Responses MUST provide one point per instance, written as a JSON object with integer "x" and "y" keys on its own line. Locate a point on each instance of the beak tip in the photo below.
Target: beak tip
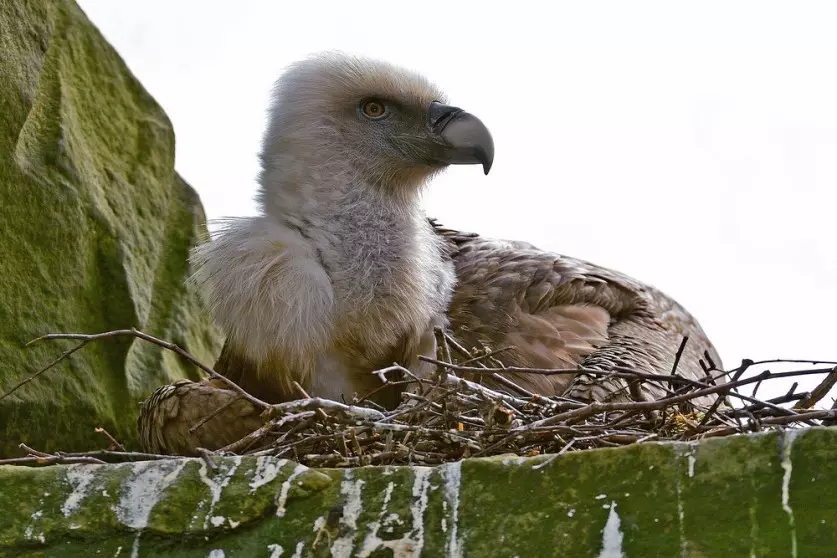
{"x": 465, "y": 139}
{"x": 485, "y": 155}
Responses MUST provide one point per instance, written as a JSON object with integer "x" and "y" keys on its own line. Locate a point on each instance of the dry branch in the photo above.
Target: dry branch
{"x": 448, "y": 417}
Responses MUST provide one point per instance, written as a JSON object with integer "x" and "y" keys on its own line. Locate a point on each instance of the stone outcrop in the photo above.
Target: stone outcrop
{"x": 96, "y": 228}
{"x": 757, "y": 495}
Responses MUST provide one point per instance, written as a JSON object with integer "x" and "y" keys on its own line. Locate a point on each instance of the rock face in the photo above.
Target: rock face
{"x": 96, "y": 228}
{"x": 761, "y": 495}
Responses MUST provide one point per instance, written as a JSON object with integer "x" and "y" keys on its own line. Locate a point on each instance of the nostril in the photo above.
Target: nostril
{"x": 440, "y": 114}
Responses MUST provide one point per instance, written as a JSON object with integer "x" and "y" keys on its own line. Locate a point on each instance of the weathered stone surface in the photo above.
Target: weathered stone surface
{"x": 761, "y": 495}
{"x": 96, "y": 227}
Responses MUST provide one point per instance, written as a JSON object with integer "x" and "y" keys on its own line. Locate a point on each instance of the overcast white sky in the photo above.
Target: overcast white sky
{"x": 691, "y": 145}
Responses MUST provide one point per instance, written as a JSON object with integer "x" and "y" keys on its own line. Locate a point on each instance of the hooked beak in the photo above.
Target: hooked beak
{"x": 462, "y": 139}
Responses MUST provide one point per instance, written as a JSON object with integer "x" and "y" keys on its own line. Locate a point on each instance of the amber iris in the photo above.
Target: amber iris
{"x": 373, "y": 109}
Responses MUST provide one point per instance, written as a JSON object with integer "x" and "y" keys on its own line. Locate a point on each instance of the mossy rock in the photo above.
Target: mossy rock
{"x": 96, "y": 229}
{"x": 760, "y": 495}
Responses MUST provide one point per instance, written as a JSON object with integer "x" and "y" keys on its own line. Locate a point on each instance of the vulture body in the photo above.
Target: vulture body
{"x": 342, "y": 274}
{"x": 551, "y": 311}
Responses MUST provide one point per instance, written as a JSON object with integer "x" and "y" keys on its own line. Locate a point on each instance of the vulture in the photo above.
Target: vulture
{"x": 341, "y": 273}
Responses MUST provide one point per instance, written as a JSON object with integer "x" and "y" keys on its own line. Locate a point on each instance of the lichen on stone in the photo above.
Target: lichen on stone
{"x": 96, "y": 231}
{"x": 640, "y": 500}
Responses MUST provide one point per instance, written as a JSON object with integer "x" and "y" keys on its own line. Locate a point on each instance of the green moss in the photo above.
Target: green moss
{"x": 722, "y": 497}
{"x": 97, "y": 227}
{"x": 731, "y": 488}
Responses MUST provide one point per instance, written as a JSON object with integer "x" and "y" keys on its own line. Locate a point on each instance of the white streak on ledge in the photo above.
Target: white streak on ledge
{"x": 372, "y": 541}
{"x": 135, "y": 546}
{"x": 282, "y": 498}
{"x": 352, "y": 506}
{"x": 421, "y": 485}
{"x": 29, "y": 532}
{"x": 754, "y": 528}
{"x": 453, "y": 479}
{"x": 788, "y": 438}
{"x": 612, "y": 535}
{"x": 267, "y": 469}
{"x": 80, "y": 477}
{"x": 217, "y": 483}
{"x": 681, "y": 520}
{"x": 144, "y": 488}
{"x": 141, "y": 492}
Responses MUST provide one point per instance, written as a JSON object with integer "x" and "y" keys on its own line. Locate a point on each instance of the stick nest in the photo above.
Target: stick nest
{"x": 449, "y": 416}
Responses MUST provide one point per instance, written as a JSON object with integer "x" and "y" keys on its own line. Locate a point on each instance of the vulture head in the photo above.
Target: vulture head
{"x": 348, "y": 120}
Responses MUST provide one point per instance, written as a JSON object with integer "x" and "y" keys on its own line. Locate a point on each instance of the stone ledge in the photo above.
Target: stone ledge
{"x": 758, "y": 495}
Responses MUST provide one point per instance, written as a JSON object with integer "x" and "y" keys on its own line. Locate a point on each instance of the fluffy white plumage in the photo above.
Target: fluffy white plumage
{"x": 342, "y": 272}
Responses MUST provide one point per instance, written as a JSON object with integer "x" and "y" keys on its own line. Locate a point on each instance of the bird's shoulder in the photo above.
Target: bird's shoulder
{"x": 543, "y": 278}
{"x": 265, "y": 286}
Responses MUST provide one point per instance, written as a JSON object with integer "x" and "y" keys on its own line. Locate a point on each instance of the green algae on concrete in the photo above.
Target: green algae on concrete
{"x": 96, "y": 231}
{"x": 760, "y": 495}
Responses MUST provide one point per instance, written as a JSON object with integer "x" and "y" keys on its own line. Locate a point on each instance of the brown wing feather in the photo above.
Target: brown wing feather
{"x": 560, "y": 312}
{"x": 168, "y": 415}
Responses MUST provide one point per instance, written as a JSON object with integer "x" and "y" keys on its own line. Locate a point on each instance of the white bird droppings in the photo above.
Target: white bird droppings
{"x": 612, "y": 535}
{"x": 372, "y": 541}
{"x": 421, "y": 485}
{"x": 453, "y": 478}
{"x": 351, "y": 490}
{"x": 787, "y": 443}
{"x": 282, "y": 498}
{"x": 144, "y": 488}
{"x": 135, "y": 546}
{"x": 681, "y": 523}
{"x": 80, "y": 477}
{"x": 267, "y": 469}
{"x": 217, "y": 484}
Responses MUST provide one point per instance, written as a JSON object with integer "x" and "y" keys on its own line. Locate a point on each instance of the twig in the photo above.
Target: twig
{"x": 114, "y": 443}
{"x": 61, "y": 357}
{"x": 87, "y": 338}
{"x": 51, "y": 460}
{"x": 679, "y": 354}
{"x": 275, "y": 424}
{"x": 314, "y": 403}
{"x": 213, "y": 414}
{"x": 816, "y": 394}
{"x": 206, "y": 455}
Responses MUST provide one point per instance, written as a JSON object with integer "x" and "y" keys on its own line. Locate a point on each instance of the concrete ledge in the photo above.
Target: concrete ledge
{"x": 759, "y": 495}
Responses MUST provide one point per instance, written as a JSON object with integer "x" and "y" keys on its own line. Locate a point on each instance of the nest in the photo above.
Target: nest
{"x": 449, "y": 416}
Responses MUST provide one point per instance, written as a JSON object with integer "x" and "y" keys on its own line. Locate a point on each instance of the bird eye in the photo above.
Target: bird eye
{"x": 373, "y": 109}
